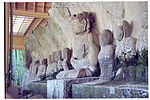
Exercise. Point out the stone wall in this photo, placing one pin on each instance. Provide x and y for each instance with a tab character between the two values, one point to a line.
43	41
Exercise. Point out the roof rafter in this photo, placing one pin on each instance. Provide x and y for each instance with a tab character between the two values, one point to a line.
31	14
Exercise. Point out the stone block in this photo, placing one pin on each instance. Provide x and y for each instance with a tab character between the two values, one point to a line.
110	90
38	88
62	88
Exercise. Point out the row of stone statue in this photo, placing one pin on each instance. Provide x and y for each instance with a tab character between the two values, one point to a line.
85	58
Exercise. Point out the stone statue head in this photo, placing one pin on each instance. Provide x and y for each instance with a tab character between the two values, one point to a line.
106	37
127	28
119	33
80	23
123	30
66	53
44	61
36	62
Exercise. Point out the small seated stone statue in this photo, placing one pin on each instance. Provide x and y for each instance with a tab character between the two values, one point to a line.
125	44
42	68
30	75
52	66
106	57
125	52
34	68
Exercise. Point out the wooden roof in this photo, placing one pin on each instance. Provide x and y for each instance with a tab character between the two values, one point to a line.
29	15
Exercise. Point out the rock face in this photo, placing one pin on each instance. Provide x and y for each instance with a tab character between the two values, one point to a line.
142	40
119	33
106	56
59	34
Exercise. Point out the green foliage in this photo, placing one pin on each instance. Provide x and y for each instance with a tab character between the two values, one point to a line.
143	58
139	59
134	69
18	65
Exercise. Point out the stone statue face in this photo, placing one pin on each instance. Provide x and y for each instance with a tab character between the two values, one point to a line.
80	23
119	33
78	26
127	28
106	37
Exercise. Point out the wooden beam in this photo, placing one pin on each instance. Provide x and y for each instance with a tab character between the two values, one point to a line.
24	6
28	27
31	14
18	42
43	7
38	22
34	7
42	24
14	5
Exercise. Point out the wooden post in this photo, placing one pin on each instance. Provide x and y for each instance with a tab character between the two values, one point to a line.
6	35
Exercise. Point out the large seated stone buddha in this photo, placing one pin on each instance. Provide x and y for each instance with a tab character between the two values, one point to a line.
85	49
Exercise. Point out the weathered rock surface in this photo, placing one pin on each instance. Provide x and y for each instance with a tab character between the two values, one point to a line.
119	33
142	40
58	33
